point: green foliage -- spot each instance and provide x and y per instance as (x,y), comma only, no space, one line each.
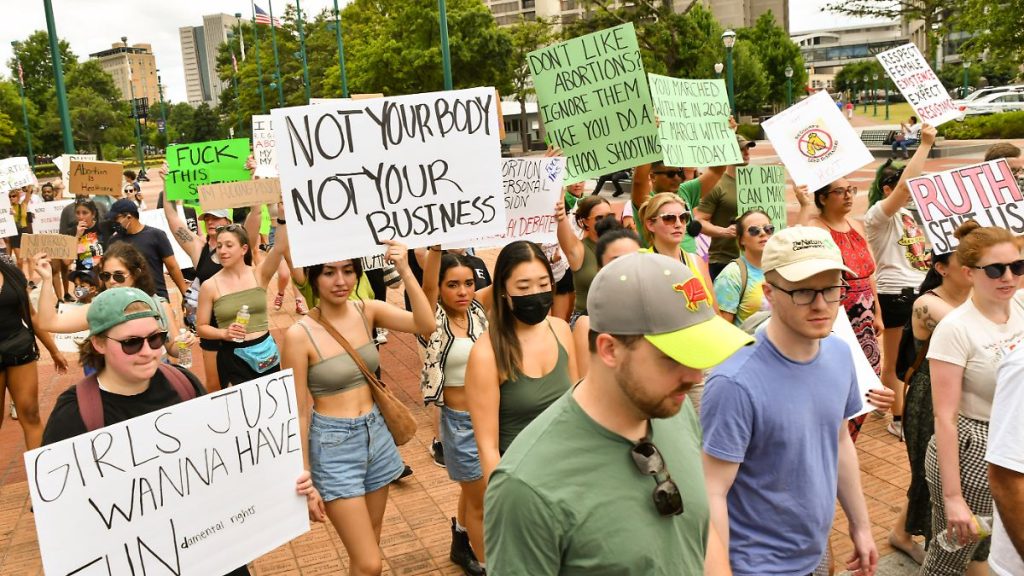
(750,131)
(775,51)
(751,83)
(526,36)
(851,79)
(995,73)
(206,125)
(997,30)
(14,144)
(933,14)
(1003,126)
(34,53)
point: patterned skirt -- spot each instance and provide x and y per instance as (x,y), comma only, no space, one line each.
(860,308)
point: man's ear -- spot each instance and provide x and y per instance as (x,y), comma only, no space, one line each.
(608,350)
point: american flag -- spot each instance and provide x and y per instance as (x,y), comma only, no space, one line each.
(234,63)
(21,74)
(264,18)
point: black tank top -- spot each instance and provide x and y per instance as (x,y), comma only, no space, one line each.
(206,267)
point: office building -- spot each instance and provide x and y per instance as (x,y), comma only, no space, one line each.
(140,58)
(199,47)
(825,52)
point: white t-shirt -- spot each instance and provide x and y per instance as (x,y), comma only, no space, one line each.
(901,252)
(1006,450)
(967,338)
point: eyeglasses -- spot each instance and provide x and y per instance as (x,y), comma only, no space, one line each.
(667,498)
(848,191)
(118,277)
(768,230)
(672,173)
(805,296)
(671,219)
(996,271)
(133,345)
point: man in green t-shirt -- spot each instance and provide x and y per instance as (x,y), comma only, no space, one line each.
(608,480)
(717,213)
(654,178)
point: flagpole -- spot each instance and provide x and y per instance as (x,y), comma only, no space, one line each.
(302,48)
(277,62)
(24,108)
(259,67)
(341,50)
(446,56)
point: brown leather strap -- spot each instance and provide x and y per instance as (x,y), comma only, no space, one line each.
(317,315)
(90,401)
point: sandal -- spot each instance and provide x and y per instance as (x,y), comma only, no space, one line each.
(278,301)
(300,306)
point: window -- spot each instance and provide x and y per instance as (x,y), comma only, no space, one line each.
(528,4)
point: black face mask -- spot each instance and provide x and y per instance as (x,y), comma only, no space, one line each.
(532,308)
(116,228)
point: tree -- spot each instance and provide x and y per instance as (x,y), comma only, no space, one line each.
(776,51)
(10,108)
(179,122)
(997,33)
(751,84)
(98,114)
(931,13)
(206,125)
(526,36)
(34,53)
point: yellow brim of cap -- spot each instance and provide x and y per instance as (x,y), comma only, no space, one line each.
(703,345)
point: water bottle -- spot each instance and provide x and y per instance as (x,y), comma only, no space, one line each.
(243,319)
(184,350)
(950,544)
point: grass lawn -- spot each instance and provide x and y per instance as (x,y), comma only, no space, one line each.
(898,112)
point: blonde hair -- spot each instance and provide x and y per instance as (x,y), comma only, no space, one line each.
(651,208)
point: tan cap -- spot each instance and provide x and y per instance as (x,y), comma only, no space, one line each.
(799,252)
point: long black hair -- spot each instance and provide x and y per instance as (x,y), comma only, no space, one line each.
(933,279)
(14,278)
(508,354)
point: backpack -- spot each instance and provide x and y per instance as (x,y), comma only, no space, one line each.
(90,404)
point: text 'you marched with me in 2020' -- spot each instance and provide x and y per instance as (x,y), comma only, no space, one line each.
(422,169)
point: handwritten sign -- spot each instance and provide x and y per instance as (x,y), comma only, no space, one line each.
(57,246)
(423,169)
(8,227)
(762,188)
(63,163)
(919,84)
(192,165)
(240,194)
(987,193)
(595,103)
(15,173)
(815,142)
(157,219)
(532,187)
(694,122)
(263,146)
(201,487)
(100,178)
(46,216)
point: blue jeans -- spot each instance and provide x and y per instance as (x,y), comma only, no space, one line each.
(903,144)
(350,457)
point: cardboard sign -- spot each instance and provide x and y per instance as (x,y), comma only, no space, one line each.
(190,166)
(201,487)
(762,188)
(987,193)
(919,85)
(63,163)
(263,146)
(595,103)
(99,178)
(694,122)
(15,173)
(532,187)
(46,216)
(56,246)
(815,142)
(240,194)
(8,227)
(422,169)
(157,219)
(866,377)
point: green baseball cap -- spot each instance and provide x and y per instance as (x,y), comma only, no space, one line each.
(659,298)
(108,309)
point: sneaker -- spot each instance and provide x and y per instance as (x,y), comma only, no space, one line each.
(300,306)
(14,411)
(406,472)
(462,555)
(896,429)
(437,452)
(279,301)
(382,336)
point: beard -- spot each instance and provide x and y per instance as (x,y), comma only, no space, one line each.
(652,406)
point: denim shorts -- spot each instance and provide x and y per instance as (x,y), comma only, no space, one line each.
(350,457)
(460,451)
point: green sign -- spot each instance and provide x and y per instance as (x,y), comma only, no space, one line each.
(595,103)
(694,122)
(762,188)
(192,165)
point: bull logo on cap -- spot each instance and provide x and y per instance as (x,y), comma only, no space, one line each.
(694,293)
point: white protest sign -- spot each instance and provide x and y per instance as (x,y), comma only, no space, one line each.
(8,227)
(63,163)
(532,187)
(866,377)
(199,488)
(46,216)
(157,219)
(69,342)
(919,84)
(263,146)
(15,173)
(815,142)
(422,169)
(987,193)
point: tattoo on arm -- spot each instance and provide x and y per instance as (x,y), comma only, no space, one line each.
(925,317)
(184,235)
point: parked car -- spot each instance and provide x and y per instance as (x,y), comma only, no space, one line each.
(982,92)
(994,103)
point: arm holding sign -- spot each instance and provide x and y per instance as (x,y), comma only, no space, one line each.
(47,319)
(570,244)
(807,208)
(273,259)
(899,197)
(384,315)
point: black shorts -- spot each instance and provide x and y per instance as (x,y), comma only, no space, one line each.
(897,308)
(233,370)
(211,345)
(565,285)
(19,350)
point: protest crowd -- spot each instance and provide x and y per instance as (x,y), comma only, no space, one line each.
(673,384)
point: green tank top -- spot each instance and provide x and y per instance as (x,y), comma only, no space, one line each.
(226,308)
(582,278)
(523,398)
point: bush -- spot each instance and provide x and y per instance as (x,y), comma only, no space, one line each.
(750,131)
(1002,126)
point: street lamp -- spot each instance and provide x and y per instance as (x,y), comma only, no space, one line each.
(718,69)
(163,113)
(886,100)
(967,78)
(135,112)
(874,93)
(341,49)
(24,108)
(865,85)
(789,85)
(729,40)
(234,79)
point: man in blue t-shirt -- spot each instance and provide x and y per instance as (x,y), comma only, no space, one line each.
(151,242)
(776,446)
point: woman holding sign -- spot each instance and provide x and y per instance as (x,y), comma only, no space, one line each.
(351,453)
(580,251)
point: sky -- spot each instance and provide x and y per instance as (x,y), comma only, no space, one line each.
(93,25)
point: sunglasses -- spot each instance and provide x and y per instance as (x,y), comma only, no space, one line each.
(667,498)
(133,345)
(996,271)
(671,173)
(603,216)
(118,277)
(229,228)
(768,230)
(671,219)
(848,191)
